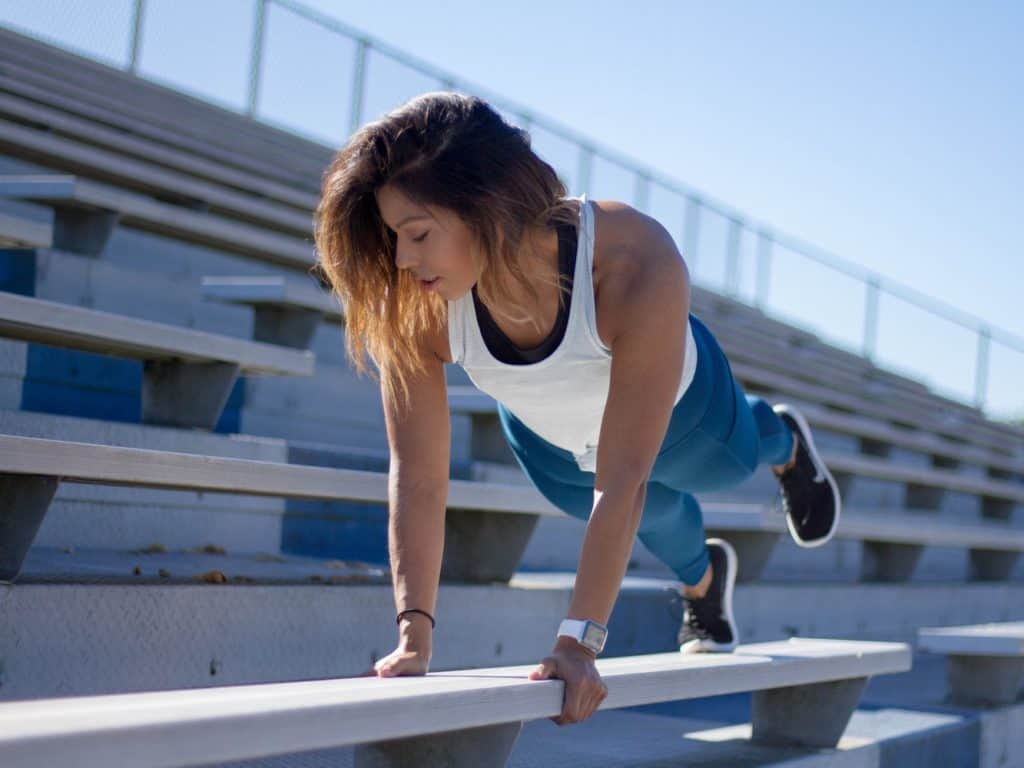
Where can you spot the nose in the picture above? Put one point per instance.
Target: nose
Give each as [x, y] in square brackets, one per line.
[402, 260]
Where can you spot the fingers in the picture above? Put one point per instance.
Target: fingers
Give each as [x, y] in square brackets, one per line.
[581, 696]
[545, 670]
[578, 706]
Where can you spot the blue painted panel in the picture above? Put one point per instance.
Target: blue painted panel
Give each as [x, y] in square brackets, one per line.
[91, 385]
[349, 532]
[85, 384]
[18, 271]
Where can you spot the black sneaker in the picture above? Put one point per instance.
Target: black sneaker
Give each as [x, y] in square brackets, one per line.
[708, 624]
[810, 497]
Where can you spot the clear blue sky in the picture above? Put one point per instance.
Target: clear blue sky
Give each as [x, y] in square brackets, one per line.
[886, 133]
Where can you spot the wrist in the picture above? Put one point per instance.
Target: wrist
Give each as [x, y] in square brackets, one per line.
[586, 634]
[415, 628]
[571, 644]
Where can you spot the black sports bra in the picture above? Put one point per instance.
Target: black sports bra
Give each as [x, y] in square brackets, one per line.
[499, 345]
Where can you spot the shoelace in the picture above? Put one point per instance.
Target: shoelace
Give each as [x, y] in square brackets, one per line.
[694, 619]
[693, 622]
[803, 471]
[685, 606]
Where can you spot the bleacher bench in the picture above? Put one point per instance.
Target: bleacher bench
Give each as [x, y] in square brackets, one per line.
[287, 311]
[72, 130]
[187, 374]
[141, 107]
[123, 170]
[893, 543]
[483, 543]
[86, 212]
[984, 662]
[804, 693]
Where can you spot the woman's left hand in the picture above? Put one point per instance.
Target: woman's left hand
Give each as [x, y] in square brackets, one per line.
[584, 689]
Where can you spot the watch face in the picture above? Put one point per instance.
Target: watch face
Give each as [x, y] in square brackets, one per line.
[594, 635]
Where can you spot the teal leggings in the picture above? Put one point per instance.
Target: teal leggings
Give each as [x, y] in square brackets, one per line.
[716, 438]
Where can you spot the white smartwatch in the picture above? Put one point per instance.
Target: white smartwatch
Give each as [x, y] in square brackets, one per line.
[587, 633]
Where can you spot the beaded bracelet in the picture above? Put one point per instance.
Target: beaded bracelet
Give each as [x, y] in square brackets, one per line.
[398, 619]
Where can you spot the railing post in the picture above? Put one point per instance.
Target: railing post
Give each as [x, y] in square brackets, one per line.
[764, 264]
[641, 190]
[583, 172]
[358, 82]
[981, 373]
[691, 232]
[732, 258]
[873, 287]
[256, 56]
[138, 11]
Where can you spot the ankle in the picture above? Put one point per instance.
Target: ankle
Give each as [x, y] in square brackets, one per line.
[701, 588]
[778, 469]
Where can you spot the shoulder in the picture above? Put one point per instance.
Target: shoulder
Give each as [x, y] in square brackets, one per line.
[640, 264]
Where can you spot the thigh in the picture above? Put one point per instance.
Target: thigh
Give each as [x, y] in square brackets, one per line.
[707, 441]
[552, 470]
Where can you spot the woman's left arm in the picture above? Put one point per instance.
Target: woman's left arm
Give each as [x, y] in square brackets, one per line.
[653, 308]
[647, 364]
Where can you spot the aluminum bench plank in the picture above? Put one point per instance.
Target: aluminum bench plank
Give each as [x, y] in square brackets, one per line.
[121, 465]
[273, 290]
[997, 639]
[899, 526]
[198, 726]
[49, 322]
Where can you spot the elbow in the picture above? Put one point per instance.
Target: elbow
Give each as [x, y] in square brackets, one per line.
[624, 491]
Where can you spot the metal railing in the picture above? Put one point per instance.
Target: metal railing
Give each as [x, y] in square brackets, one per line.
[695, 215]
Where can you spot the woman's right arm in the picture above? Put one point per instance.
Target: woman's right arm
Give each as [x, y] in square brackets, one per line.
[420, 446]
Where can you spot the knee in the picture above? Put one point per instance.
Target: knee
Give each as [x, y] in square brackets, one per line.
[665, 506]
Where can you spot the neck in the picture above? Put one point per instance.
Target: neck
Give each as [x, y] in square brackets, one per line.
[538, 254]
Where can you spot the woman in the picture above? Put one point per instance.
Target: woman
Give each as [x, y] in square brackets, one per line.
[448, 240]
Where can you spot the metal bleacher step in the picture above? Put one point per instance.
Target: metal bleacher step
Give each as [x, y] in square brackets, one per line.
[901, 720]
[269, 617]
[87, 514]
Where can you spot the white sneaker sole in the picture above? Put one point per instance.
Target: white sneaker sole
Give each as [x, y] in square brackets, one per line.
[710, 646]
[808, 439]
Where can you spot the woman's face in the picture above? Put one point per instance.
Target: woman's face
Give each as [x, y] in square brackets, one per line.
[432, 242]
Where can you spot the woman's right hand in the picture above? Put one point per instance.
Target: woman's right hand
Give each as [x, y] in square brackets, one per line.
[404, 660]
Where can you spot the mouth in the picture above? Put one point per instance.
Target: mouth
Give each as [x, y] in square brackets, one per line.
[430, 282]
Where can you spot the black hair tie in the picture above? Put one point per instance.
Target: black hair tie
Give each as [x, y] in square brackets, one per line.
[398, 619]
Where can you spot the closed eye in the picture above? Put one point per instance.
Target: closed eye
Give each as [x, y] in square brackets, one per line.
[421, 238]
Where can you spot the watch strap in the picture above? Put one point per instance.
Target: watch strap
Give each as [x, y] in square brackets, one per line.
[577, 628]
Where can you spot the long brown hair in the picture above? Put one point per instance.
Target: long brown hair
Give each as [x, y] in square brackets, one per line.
[448, 150]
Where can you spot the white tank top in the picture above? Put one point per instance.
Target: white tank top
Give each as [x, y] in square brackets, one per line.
[562, 397]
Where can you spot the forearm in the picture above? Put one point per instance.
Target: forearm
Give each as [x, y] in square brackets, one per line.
[607, 544]
[415, 545]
